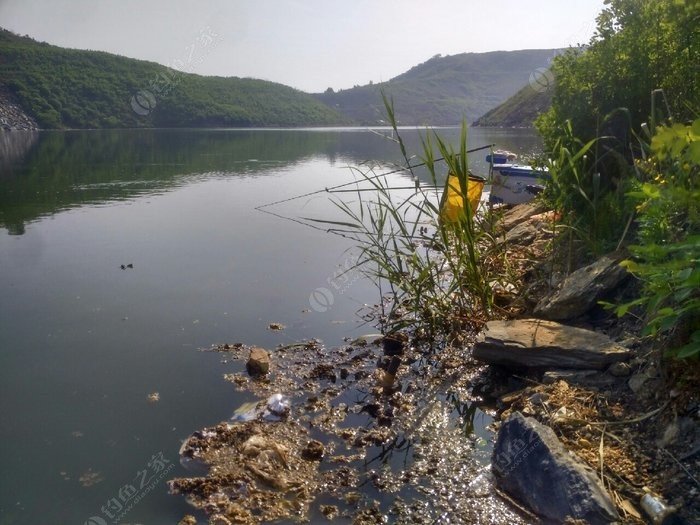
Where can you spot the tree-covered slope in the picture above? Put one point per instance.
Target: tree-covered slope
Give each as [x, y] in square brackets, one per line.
[520, 110]
[443, 90]
[65, 88]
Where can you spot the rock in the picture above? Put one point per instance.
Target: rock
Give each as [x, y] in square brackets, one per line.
[519, 214]
[670, 434]
[620, 369]
[12, 115]
[533, 467]
[522, 234]
[313, 451]
[636, 382]
[536, 343]
[585, 378]
[259, 362]
[579, 292]
[188, 520]
[538, 398]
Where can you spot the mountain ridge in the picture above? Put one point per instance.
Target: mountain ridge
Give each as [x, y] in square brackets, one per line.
[68, 88]
[444, 89]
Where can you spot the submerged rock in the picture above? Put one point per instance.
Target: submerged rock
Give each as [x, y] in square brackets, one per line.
[532, 466]
[535, 343]
[579, 292]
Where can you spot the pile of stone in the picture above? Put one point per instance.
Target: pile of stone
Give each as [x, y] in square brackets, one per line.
[12, 116]
[530, 464]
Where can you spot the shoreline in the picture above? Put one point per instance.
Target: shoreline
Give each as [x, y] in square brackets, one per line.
[598, 417]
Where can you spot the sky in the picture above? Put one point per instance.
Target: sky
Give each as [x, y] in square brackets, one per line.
[307, 44]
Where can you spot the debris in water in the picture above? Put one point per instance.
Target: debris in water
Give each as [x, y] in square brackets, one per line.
[276, 326]
[323, 436]
[313, 451]
[90, 478]
[153, 397]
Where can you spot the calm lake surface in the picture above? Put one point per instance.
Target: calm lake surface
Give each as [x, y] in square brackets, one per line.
[83, 342]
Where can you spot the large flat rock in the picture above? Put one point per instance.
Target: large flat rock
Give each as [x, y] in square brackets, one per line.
[520, 213]
[533, 467]
[582, 289]
[536, 343]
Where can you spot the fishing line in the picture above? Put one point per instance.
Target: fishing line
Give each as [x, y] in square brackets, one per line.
[332, 188]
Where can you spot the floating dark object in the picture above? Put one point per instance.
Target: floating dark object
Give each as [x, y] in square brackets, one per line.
[123, 267]
[130, 265]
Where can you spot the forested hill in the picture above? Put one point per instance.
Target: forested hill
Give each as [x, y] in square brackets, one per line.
[443, 90]
[520, 110]
[65, 88]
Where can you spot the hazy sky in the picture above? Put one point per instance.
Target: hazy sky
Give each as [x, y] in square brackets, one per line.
[307, 44]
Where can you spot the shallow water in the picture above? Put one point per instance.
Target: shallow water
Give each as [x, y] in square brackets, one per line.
[83, 342]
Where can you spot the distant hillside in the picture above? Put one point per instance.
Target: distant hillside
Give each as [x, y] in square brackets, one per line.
[443, 90]
[65, 88]
[520, 110]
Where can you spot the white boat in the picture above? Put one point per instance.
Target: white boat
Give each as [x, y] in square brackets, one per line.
[513, 183]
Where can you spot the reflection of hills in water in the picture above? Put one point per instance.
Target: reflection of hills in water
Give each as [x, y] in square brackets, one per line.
[14, 146]
[44, 173]
[41, 174]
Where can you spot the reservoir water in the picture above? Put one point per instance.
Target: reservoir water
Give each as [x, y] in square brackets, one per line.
[125, 252]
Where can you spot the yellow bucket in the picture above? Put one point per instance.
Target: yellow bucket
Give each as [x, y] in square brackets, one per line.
[452, 202]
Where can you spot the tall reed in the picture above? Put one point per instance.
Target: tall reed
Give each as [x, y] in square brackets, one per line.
[433, 269]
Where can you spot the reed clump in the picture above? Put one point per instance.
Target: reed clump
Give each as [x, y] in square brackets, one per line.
[434, 273]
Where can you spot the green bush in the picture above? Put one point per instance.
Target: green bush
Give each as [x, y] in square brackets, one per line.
[668, 251]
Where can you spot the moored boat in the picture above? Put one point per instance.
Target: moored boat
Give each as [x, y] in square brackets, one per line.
[513, 183]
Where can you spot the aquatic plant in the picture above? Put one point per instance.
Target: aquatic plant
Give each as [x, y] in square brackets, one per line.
[433, 270]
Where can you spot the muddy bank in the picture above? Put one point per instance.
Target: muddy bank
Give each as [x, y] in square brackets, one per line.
[358, 444]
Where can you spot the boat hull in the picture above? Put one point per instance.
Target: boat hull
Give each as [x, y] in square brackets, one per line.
[513, 184]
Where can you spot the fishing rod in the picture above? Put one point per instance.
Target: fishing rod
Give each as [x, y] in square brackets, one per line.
[333, 188]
